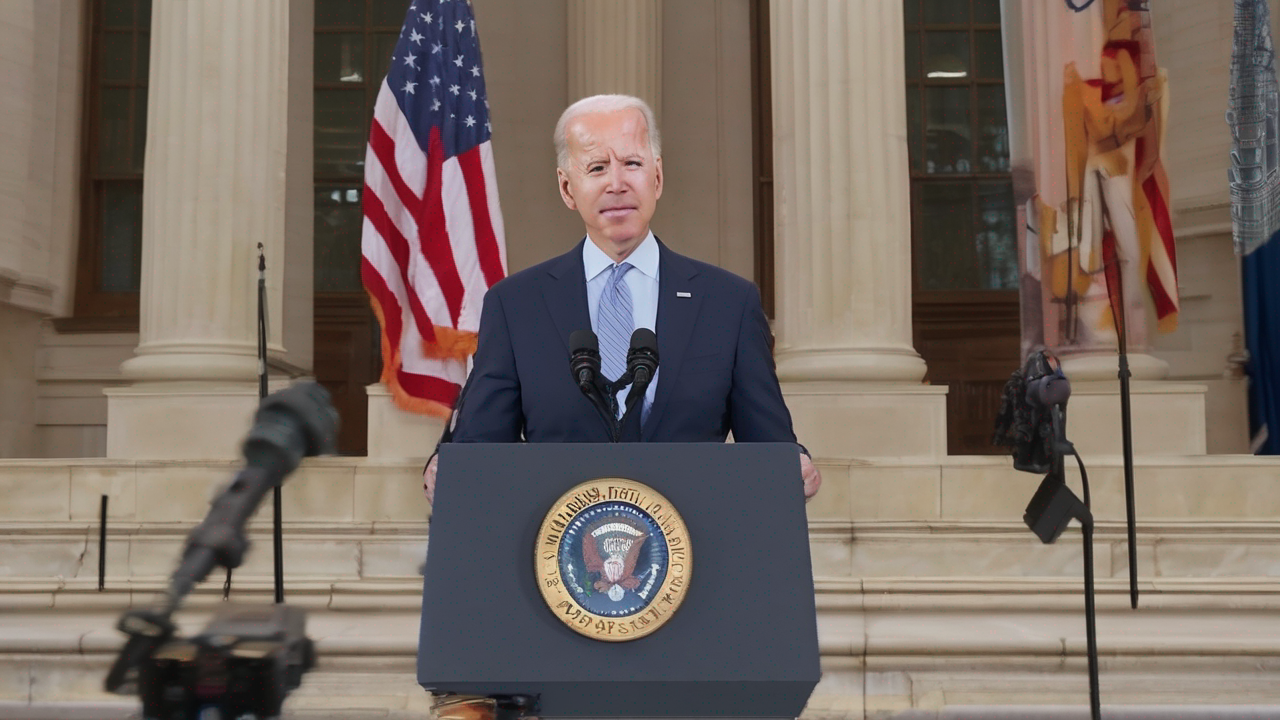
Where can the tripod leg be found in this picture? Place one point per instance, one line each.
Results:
(1091, 624)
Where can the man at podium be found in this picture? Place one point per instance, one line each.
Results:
(716, 372)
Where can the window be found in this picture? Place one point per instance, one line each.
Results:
(762, 156)
(353, 44)
(108, 273)
(963, 230)
(354, 40)
(963, 237)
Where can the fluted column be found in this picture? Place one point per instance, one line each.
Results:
(615, 46)
(227, 167)
(842, 195)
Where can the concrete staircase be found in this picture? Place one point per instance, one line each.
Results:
(932, 597)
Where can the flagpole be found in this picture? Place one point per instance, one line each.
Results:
(1126, 434)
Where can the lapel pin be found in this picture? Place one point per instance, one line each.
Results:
(684, 294)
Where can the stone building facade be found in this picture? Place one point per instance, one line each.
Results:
(788, 150)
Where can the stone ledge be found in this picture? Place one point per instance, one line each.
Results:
(832, 594)
(342, 490)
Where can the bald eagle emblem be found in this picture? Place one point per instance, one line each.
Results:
(610, 550)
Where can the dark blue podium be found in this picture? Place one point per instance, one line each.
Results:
(743, 643)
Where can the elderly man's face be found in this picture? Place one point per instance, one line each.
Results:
(613, 179)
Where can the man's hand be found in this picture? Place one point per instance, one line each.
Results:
(429, 480)
(808, 472)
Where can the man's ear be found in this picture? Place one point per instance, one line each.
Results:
(657, 165)
(566, 191)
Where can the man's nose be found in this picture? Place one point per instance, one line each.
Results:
(615, 178)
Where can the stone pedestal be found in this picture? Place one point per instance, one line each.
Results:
(228, 166)
(398, 435)
(842, 232)
(868, 419)
(1168, 418)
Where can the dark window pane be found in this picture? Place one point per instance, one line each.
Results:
(139, 129)
(389, 13)
(144, 14)
(945, 247)
(339, 58)
(340, 13)
(340, 132)
(946, 55)
(911, 12)
(986, 11)
(117, 57)
(946, 12)
(115, 134)
(121, 232)
(947, 132)
(144, 58)
(915, 135)
(913, 55)
(117, 13)
(993, 130)
(337, 239)
(988, 56)
(995, 244)
(383, 45)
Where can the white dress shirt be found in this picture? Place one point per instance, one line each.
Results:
(642, 281)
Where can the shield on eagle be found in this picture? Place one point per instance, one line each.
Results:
(610, 550)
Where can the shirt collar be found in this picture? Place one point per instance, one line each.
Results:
(644, 258)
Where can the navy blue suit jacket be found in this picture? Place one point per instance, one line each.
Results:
(716, 370)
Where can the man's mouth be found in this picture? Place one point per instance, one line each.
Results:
(617, 212)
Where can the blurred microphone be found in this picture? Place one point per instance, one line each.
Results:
(1049, 390)
(642, 359)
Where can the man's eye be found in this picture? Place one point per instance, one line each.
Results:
(634, 163)
(594, 168)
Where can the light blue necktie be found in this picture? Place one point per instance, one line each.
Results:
(615, 323)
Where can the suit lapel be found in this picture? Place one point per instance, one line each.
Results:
(676, 318)
(564, 287)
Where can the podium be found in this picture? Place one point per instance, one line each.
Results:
(743, 641)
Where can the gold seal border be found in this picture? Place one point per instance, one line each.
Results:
(667, 598)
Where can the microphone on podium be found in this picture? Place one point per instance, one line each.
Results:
(584, 364)
(642, 367)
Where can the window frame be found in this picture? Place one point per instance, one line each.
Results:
(93, 307)
(919, 176)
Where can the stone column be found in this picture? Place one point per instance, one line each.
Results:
(842, 231)
(616, 47)
(228, 166)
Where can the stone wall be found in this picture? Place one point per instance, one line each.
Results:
(40, 58)
(1193, 43)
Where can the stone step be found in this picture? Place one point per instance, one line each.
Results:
(352, 490)
(298, 708)
(876, 662)
(362, 550)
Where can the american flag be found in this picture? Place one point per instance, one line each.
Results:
(432, 242)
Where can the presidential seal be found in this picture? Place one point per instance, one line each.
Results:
(613, 559)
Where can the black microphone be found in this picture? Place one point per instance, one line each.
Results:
(642, 359)
(584, 359)
(1049, 390)
(584, 364)
(642, 366)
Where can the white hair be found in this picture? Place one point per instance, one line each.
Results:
(604, 104)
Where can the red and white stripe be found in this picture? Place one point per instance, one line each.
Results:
(432, 245)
